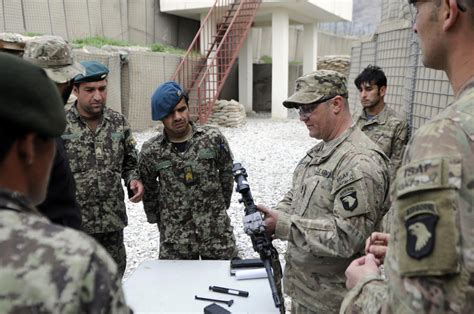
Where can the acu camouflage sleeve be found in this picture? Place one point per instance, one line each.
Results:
(102, 291)
(225, 161)
(398, 147)
(285, 204)
(148, 178)
(130, 158)
(343, 233)
(368, 296)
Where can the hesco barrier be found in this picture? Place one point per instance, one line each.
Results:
(417, 92)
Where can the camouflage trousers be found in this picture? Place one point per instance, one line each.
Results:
(195, 251)
(113, 243)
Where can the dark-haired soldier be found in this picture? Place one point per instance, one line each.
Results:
(377, 120)
(44, 267)
(101, 150)
(187, 174)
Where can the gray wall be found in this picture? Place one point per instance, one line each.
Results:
(136, 21)
(262, 84)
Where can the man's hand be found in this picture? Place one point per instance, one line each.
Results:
(359, 268)
(377, 244)
(137, 188)
(270, 218)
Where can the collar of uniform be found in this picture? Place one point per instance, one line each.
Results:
(105, 112)
(380, 118)
(466, 87)
(324, 150)
(15, 201)
(196, 129)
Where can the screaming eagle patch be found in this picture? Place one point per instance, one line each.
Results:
(349, 200)
(420, 223)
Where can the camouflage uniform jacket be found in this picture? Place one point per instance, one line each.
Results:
(339, 193)
(99, 160)
(430, 260)
(390, 131)
(46, 268)
(188, 193)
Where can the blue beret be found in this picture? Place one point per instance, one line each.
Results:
(165, 98)
(95, 71)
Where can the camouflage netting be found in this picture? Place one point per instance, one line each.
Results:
(228, 113)
(340, 64)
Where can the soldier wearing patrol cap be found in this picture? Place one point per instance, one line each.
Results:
(429, 261)
(55, 56)
(44, 268)
(101, 150)
(339, 194)
(187, 174)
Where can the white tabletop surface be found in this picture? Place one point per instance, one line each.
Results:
(169, 286)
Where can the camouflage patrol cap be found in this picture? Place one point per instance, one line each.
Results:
(28, 98)
(55, 56)
(316, 86)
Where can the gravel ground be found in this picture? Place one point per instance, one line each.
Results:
(268, 148)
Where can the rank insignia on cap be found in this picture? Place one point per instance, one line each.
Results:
(349, 200)
(179, 93)
(421, 231)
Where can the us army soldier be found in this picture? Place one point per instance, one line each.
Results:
(101, 150)
(187, 174)
(56, 57)
(329, 211)
(430, 258)
(44, 268)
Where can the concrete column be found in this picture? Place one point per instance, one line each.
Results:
(310, 48)
(246, 73)
(280, 30)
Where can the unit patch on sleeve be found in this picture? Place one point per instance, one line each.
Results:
(420, 223)
(349, 200)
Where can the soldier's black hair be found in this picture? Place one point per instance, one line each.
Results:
(372, 74)
(9, 133)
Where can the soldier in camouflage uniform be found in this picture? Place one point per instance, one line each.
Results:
(56, 57)
(339, 194)
(430, 258)
(102, 152)
(44, 268)
(380, 123)
(187, 174)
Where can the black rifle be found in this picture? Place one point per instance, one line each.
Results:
(255, 228)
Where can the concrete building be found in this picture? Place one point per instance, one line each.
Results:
(278, 14)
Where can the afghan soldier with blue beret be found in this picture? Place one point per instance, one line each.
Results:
(56, 57)
(44, 267)
(338, 196)
(428, 257)
(101, 150)
(187, 174)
